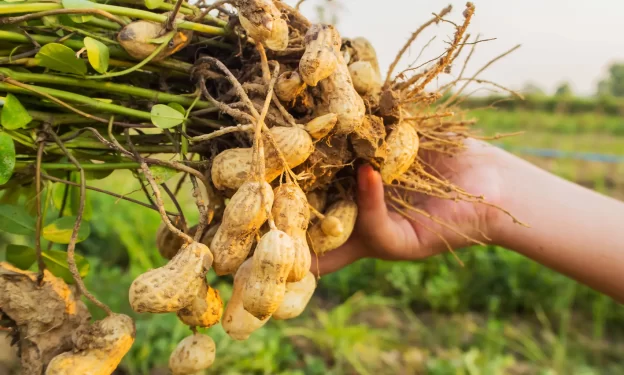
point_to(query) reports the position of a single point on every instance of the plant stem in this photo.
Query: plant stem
(37, 15)
(183, 10)
(69, 96)
(86, 167)
(114, 9)
(103, 24)
(115, 88)
(78, 44)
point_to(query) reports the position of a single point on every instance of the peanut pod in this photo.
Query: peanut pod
(231, 168)
(237, 322)
(319, 59)
(173, 286)
(205, 310)
(289, 86)
(322, 125)
(137, 37)
(247, 210)
(98, 348)
(193, 354)
(292, 216)
(365, 78)
(297, 296)
(266, 285)
(346, 212)
(403, 144)
(263, 23)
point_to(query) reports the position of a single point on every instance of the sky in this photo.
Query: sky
(562, 40)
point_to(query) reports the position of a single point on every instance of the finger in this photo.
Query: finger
(336, 259)
(371, 191)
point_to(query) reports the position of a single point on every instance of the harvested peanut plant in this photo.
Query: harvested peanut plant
(267, 114)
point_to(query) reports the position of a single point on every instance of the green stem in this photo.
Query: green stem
(115, 88)
(149, 58)
(104, 23)
(186, 9)
(78, 44)
(117, 10)
(75, 98)
(71, 167)
(89, 34)
(56, 119)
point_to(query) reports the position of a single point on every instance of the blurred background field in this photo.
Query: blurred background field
(499, 314)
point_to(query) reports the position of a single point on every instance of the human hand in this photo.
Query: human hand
(383, 233)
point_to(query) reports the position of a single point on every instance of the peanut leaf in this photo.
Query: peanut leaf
(7, 158)
(56, 262)
(16, 220)
(166, 117)
(58, 57)
(178, 107)
(60, 230)
(14, 115)
(98, 54)
(20, 256)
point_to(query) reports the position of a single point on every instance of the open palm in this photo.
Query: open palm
(385, 234)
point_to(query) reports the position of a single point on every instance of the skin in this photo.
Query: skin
(571, 229)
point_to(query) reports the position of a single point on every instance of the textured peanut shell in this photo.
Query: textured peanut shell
(403, 146)
(231, 168)
(262, 21)
(297, 296)
(99, 348)
(244, 215)
(364, 51)
(346, 212)
(320, 126)
(319, 59)
(288, 86)
(237, 322)
(317, 199)
(339, 97)
(193, 354)
(365, 78)
(135, 38)
(173, 286)
(332, 226)
(292, 216)
(266, 285)
(205, 310)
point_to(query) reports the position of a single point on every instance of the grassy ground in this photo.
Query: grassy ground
(500, 314)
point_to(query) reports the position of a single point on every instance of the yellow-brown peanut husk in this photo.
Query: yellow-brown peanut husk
(363, 50)
(321, 126)
(317, 199)
(99, 348)
(365, 78)
(192, 355)
(319, 60)
(173, 286)
(332, 226)
(266, 285)
(237, 322)
(169, 243)
(231, 168)
(205, 310)
(296, 299)
(247, 210)
(263, 22)
(292, 216)
(289, 86)
(339, 97)
(346, 212)
(403, 144)
(136, 38)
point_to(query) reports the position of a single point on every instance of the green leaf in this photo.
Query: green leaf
(161, 174)
(16, 220)
(14, 115)
(153, 4)
(61, 58)
(56, 262)
(178, 107)
(21, 256)
(81, 18)
(166, 117)
(98, 54)
(7, 158)
(60, 230)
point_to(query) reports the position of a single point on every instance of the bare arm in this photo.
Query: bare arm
(573, 230)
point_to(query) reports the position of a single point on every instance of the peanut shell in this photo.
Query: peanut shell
(403, 143)
(193, 354)
(346, 212)
(297, 296)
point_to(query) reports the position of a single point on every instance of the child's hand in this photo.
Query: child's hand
(385, 234)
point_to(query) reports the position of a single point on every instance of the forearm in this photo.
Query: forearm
(573, 230)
